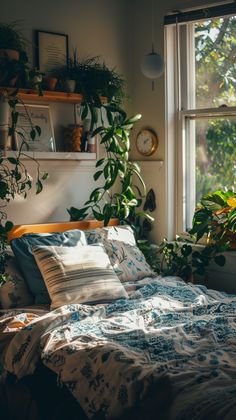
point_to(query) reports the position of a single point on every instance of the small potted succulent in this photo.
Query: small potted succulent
(215, 217)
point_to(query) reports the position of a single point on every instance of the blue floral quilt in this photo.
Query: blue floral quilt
(112, 356)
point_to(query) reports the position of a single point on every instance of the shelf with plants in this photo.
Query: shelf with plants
(50, 96)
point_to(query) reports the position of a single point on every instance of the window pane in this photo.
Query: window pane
(215, 62)
(211, 158)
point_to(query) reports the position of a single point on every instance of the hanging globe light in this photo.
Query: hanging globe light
(152, 65)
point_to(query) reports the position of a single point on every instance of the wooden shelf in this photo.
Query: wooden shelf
(55, 155)
(50, 96)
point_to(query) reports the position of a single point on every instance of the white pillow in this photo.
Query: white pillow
(78, 274)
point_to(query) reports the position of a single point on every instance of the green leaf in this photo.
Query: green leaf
(133, 119)
(99, 162)
(14, 117)
(220, 260)
(33, 134)
(77, 214)
(109, 116)
(38, 129)
(39, 186)
(186, 250)
(97, 130)
(8, 226)
(107, 171)
(45, 176)
(85, 111)
(3, 189)
(97, 175)
(108, 136)
(13, 160)
(98, 216)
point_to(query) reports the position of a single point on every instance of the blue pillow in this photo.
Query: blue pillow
(22, 248)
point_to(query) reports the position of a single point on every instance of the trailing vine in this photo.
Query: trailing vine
(14, 176)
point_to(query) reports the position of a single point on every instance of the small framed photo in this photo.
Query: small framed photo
(51, 50)
(30, 116)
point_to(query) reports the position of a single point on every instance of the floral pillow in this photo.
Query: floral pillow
(128, 261)
(126, 258)
(122, 233)
(14, 291)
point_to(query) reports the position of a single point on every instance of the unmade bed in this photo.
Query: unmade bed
(163, 349)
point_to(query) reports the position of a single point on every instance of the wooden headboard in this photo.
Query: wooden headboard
(20, 230)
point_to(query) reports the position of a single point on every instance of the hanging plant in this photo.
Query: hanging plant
(14, 176)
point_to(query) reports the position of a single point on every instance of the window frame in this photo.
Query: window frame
(180, 106)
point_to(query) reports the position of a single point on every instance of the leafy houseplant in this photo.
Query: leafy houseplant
(215, 217)
(13, 56)
(11, 37)
(113, 168)
(14, 177)
(181, 258)
(94, 80)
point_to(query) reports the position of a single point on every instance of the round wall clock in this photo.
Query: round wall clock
(147, 142)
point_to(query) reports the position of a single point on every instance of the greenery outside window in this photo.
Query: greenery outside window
(203, 116)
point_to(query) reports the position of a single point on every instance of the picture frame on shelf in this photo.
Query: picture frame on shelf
(51, 50)
(30, 116)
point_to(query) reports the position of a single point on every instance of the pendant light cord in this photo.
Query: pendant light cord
(152, 25)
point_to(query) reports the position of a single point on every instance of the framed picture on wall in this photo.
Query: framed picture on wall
(28, 117)
(51, 50)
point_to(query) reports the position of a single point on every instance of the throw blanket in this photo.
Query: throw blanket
(110, 356)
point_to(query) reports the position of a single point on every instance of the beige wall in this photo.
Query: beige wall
(94, 28)
(119, 31)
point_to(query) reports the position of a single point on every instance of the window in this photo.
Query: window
(201, 99)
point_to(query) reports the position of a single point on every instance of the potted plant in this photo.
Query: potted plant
(114, 168)
(13, 56)
(11, 39)
(67, 75)
(215, 217)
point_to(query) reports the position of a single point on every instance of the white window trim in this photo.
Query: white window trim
(176, 113)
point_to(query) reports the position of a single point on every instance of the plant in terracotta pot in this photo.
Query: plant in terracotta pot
(50, 81)
(215, 217)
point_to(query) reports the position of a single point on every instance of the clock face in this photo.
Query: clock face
(146, 142)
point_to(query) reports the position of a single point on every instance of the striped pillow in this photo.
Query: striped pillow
(78, 274)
